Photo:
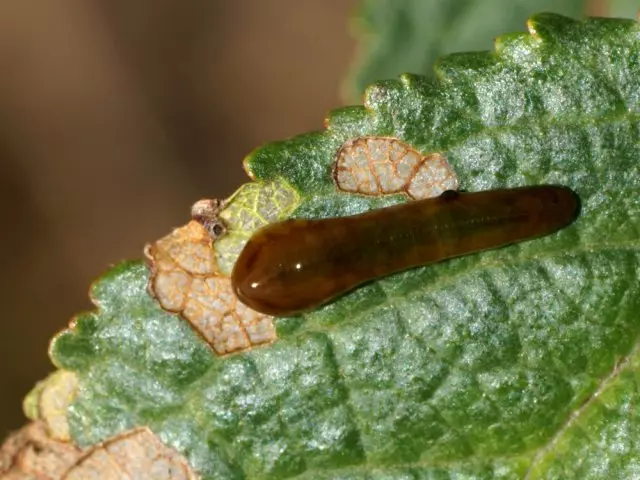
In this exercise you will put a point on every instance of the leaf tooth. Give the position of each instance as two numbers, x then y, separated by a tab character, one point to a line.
550	26
353	120
517	47
464	66
411	81
381	93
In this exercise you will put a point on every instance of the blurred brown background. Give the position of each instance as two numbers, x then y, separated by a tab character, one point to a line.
115	115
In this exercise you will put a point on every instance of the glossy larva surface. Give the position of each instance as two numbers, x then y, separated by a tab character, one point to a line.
296	265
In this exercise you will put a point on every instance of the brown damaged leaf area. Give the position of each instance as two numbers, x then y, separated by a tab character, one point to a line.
50	400
136	455
31	453
185	281
384	165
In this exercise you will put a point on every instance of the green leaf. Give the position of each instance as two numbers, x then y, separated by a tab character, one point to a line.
407	36
513	363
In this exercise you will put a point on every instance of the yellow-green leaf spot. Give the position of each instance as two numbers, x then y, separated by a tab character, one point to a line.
254	205
49	401
385	165
185	281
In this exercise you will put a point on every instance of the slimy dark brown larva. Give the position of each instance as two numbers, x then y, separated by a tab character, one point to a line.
296	265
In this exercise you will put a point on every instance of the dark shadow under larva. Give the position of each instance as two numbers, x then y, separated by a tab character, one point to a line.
296	265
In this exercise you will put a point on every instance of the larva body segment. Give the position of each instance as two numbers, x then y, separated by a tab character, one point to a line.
296	265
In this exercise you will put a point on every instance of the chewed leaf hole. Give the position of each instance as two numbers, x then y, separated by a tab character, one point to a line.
384	165
185	281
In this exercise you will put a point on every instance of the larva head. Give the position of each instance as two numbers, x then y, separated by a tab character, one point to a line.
276	271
